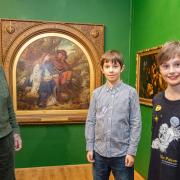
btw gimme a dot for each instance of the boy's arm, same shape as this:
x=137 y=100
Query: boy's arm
x=135 y=123
x=90 y=125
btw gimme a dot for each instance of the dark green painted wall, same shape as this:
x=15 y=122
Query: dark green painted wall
x=154 y=22
x=64 y=144
x=51 y=145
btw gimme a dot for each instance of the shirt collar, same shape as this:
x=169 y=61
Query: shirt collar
x=115 y=88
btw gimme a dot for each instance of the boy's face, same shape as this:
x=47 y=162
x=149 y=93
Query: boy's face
x=170 y=71
x=112 y=71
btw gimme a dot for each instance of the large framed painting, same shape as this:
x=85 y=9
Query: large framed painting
x=52 y=68
x=148 y=78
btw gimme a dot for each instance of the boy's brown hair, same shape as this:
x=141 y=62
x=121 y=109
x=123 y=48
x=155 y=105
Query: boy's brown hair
x=113 y=56
x=169 y=50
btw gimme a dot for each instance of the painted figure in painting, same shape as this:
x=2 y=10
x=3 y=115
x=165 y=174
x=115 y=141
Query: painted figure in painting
x=151 y=81
x=64 y=89
x=53 y=73
x=56 y=82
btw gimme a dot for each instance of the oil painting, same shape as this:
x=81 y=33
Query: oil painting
x=52 y=73
x=149 y=80
x=52 y=68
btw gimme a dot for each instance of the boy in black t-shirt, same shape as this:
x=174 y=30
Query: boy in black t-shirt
x=165 y=148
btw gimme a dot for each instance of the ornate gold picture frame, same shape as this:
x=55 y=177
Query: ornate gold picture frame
x=148 y=78
x=52 y=68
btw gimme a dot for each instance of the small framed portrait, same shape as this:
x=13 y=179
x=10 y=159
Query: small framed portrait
x=148 y=78
x=52 y=70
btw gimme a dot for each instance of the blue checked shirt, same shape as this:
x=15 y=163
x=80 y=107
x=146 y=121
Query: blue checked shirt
x=113 y=124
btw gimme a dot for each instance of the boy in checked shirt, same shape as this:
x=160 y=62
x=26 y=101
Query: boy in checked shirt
x=113 y=123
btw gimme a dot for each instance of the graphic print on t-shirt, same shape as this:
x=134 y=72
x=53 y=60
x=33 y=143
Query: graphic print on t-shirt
x=167 y=134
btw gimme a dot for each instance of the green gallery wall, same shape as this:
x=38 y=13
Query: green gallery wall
x=130 y=26
x=154 y=22
x=49 y=145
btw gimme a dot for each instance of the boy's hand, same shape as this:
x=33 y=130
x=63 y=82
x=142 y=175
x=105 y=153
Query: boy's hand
x=90 y=156
x=17 y=142
x=129 y=160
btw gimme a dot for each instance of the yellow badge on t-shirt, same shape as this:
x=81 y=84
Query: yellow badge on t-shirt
x=158 y=108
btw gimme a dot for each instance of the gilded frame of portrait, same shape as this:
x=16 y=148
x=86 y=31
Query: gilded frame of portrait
x=148 y=78
x=52 y=68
